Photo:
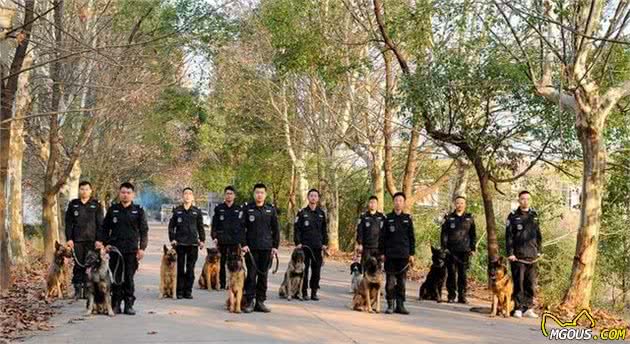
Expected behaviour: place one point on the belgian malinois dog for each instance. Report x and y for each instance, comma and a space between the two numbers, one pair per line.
168, 273
294, 276
367, 297
210, 273
56, 278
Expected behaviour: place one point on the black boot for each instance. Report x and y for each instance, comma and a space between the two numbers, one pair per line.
314, 296
305, 295
249, 307
116, 305
260, 307
462, 299
129, 307
400, 307
390, 307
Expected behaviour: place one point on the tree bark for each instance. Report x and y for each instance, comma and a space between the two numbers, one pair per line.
7, 98
376, 173
593, 184
488, 208
16, 155
460, 183
388, 164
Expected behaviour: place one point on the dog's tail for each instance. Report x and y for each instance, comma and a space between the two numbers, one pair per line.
482, 310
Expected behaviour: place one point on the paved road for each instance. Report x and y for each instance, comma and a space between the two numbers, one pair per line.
205, 320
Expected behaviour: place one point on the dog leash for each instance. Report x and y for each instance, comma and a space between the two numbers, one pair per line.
76, 260
404, 269
528, 262
323, 262
118, 264
253, 261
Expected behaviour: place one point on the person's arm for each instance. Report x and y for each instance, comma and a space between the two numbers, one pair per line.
144, 230
172, 224
243, 224
412, 238
69, 223
297, 233
509, 250
275, 230
214, 224
324, 230
360, 231
473, 235
99, 217
103, 235
444, 233
200, 229
381, 238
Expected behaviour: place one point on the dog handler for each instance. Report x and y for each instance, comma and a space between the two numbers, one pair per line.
311, 233
368, 231
226, 229
187, 235
125, 227
397, 245
458, 237
523, 243
262, 237
84, 219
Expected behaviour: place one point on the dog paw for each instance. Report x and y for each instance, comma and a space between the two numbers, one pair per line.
492, 315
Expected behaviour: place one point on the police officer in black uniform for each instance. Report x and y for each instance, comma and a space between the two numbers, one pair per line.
368, 231
262, 237
227, 231
187, 235
84, 219
458, 237
311, 233
523, 244
397, 244
125, 229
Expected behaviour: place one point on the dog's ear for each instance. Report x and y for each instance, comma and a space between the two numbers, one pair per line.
208, 250
57, 245
165, 249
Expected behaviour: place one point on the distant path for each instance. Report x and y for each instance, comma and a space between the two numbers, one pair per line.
204, 319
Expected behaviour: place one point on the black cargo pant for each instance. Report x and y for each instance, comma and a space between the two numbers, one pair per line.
225, 251
396, 272
457, 264
313, 262
186, 259
524, 277
123, 270
257, 262
81, 250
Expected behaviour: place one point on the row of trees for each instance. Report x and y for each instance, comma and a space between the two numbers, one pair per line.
88, 89
417, 95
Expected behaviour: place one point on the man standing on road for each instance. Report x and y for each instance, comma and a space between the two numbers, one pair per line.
227, 231
125, 228
397, 244
262, 238
187, 235
84, 219
311, 233
368, 231
523, 243
458, 237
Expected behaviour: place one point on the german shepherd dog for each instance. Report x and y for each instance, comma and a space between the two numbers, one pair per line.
210, 273
502, 287
431, 289
236, 279
355, 271
56, 278
99, 283
168, 273
293, 277
367, 297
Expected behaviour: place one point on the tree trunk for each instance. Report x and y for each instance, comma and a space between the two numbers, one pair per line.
333, 212
51, 223
593, 184
376, 172
388, 165
488, 207
16, 155
460, 183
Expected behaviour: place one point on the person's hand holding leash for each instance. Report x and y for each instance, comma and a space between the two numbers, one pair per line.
140, 255
512, 258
